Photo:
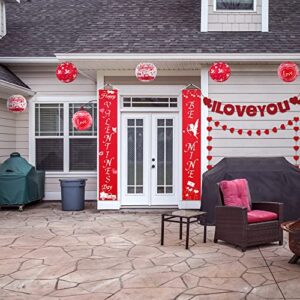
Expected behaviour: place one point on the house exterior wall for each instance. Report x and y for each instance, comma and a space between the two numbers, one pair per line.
254, 88
7, 131
234, 21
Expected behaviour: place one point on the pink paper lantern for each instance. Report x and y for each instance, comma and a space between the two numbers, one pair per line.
219, 71
66, 72
82, 120
16, 103
145, 72
288, 71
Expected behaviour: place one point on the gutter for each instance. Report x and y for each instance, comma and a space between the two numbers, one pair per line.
17, 88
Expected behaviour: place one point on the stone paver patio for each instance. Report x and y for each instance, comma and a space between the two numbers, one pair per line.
49, 254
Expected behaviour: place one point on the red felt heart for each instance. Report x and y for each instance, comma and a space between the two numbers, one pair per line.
209, 157
217, 123
231, 130
224, 127
209, 128
274, 129
240, 131
258, 132
209, 119
296, 148
209, 138
296, 157
249, 132
267, 131
282, 127
209, 167
296, 119
290, 122
296, 138
293, 100
209, 148
296, 128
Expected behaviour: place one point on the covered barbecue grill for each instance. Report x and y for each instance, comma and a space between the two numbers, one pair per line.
20, 182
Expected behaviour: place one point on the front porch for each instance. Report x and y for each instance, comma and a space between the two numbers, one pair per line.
46, 253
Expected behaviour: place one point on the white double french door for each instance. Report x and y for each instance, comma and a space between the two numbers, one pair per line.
149, 159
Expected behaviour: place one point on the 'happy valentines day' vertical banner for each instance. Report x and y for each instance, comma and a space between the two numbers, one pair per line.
108, 145
191, 144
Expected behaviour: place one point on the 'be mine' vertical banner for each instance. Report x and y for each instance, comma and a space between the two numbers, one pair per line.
191, 144
108, 145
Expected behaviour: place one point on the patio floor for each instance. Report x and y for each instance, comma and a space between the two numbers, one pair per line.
49, 254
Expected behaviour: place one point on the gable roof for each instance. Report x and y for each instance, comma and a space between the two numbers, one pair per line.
44, 27
8, 76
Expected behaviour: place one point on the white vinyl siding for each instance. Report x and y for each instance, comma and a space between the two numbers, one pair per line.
253, 88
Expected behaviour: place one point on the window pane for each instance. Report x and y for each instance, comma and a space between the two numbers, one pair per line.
235, 4
92, 109
83, 154
49, 154
49, 120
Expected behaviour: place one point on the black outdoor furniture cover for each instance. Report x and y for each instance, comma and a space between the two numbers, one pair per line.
20, 183
270, 179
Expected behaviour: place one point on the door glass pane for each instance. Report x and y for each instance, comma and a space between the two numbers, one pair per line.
164, 156
135, 156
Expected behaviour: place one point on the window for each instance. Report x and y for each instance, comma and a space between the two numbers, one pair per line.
54, 135
235, 4
149, 102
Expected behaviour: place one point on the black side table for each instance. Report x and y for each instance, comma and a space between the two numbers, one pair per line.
184, 217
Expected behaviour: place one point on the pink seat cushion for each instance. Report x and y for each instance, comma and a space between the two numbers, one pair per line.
236, 193
255, 216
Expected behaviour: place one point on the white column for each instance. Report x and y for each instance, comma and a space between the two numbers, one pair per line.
265, 16
105, 204
204, 15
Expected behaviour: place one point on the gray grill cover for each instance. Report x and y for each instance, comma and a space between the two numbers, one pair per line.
270, 179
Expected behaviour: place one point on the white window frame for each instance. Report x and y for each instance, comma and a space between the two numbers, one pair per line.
66, 137
254, 10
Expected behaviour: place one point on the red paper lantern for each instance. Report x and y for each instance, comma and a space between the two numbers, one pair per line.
219, 71
288, 71
66, 72
16, 103
82, 120
145, 72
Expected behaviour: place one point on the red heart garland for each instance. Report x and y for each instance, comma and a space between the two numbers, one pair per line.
293, 100
282, 127
209, 138
217, 123
231, 130
224, 127
249, 132
296, 148
258, 132
209, 128
296, 138
296, 128
296, 157
209, 119
290, 122
209, 157
240, 131
267, 131
209, 167
274, 129
296, 119
209, 148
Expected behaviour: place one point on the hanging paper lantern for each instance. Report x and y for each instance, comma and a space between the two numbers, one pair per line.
66, 72
16, 103
145, 72
219, 71
288, 71
82, 120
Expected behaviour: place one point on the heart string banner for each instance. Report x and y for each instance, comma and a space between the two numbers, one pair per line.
296, 140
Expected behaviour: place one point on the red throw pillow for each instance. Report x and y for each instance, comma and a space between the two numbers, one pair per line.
236, 193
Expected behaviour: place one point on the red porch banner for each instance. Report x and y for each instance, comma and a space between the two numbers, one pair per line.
108, 145
191, 144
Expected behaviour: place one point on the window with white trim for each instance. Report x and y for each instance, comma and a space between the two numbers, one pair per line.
54, 135
248, 5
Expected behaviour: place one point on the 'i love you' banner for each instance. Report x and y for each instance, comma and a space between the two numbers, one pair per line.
108, 145
191, 144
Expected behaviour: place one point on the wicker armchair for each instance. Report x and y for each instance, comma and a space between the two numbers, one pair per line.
232, 225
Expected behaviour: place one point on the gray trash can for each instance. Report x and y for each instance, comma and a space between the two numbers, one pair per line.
72, 193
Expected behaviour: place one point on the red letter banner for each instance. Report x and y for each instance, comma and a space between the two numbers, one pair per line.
191, 143
108, 145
